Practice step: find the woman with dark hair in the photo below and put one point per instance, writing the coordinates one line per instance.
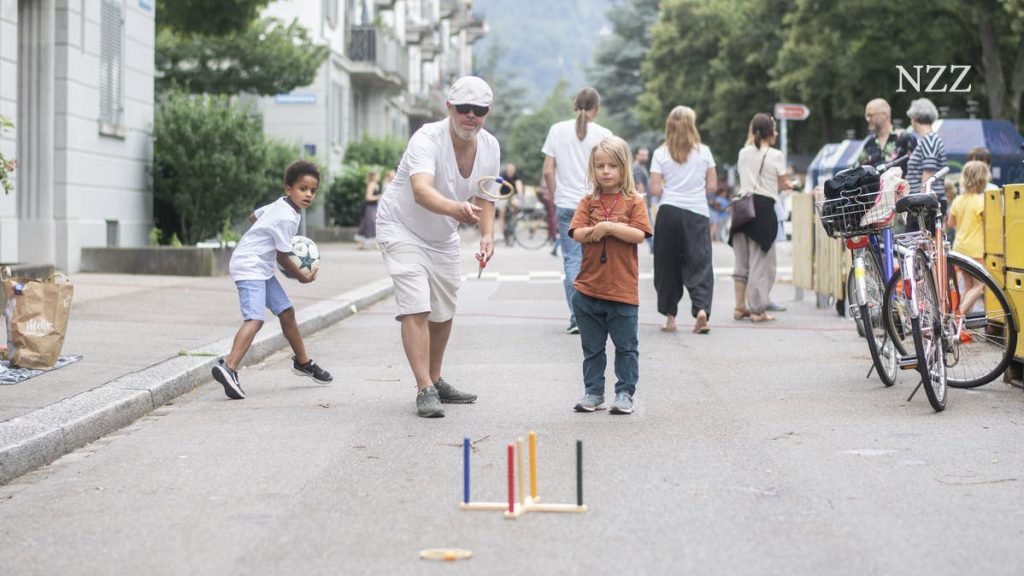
(566, 154)
(762, 172)
(682, 176)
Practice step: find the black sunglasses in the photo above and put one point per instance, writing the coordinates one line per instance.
(478, 111)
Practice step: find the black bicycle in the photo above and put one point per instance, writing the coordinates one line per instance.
(528, 227)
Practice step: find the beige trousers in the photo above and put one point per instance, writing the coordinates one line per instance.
(755, 267)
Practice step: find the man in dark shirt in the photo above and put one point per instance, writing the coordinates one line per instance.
(884, 144)
(504, 209)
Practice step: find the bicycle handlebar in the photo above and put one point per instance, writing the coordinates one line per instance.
(883, 167)
(939, 174)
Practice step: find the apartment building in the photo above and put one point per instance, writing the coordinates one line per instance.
(388, 70)
(76, 77)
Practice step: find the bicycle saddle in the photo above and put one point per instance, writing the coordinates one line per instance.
(917, 203)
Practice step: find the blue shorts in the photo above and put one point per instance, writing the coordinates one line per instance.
(255, 296)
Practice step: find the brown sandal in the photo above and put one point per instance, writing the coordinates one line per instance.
(765, 317)
(738, 314)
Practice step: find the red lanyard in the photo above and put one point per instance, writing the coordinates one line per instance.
(608, 211)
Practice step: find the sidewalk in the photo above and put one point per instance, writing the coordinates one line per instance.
(144, 340)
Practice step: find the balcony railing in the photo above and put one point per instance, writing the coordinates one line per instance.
(368, 44)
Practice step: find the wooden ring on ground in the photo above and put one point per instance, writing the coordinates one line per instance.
(448, 554)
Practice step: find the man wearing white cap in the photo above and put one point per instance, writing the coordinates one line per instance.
(417, 231)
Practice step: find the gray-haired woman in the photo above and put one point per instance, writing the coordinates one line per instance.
(929, 156)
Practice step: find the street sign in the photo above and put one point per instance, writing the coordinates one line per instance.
(791, 111)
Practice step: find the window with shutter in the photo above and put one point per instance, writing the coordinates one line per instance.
(112, 68)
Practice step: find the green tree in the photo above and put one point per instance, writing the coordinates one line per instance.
(617, 63)
(210, 18)
(279, 156)
(347, 194)
(509, 92)
(838, 56)
(714, 57)
(1000, 28)
(209, 164)
(529, 131)
(266, 57)
(386, 151)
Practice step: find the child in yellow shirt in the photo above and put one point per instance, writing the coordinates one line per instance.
(966, 215)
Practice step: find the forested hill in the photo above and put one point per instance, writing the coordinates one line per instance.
(543, 40)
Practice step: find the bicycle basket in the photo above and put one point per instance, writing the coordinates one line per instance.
(856, 203)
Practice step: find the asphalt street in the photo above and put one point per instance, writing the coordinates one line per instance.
(756, 449)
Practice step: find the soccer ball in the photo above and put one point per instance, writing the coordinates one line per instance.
(305, 254)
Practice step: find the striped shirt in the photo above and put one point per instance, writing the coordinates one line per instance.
(929, 156)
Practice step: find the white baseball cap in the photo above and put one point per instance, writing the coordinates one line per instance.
(470, 90)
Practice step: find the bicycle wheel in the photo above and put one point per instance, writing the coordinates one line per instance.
(980, 326)
(896, 314)
(927, 331)
(854, 305)
(531, 229)
(883, 352)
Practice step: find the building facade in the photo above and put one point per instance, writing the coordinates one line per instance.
(389, 66)
(76, 77)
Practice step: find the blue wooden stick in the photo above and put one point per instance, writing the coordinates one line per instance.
(465, 470)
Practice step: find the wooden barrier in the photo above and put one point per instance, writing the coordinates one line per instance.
(820, 263)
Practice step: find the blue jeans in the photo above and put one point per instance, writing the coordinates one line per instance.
(572, 255)
(597, 320)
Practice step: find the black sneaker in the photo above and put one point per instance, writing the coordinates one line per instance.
(572, 329)
(229, 379)
(312, 370)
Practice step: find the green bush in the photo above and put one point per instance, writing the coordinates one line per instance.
(209, 165)
(279, 156)
(347, 194)
(372, 151)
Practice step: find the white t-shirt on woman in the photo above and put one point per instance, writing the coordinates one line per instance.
(749, 165)
(685, 185)
(571, 158)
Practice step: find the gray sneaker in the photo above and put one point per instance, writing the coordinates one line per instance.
(623, 403)
(451, 395)
(428, 405)
(590, 402)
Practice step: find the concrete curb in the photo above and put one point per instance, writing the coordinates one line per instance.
(40, 437)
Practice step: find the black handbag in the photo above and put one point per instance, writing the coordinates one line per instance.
(743, 212)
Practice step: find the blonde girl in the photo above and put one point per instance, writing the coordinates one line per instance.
(608, 223)
(682, 177)
(966, 215)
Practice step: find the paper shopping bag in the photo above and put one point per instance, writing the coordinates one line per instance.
(38, 319)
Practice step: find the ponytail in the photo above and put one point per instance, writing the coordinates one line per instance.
(586, 100)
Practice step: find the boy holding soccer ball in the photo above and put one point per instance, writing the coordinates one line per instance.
(252, 269)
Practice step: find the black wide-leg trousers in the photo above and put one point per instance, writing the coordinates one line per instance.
(682, 258)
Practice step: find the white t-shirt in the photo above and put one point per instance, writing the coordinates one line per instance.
(749, 165)
(685, 184)
(430, 151)
(256, 253)
(571, 158)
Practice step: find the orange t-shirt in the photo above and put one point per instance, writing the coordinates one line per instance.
(618, 278)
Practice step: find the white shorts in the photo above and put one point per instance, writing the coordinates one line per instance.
(425, 280)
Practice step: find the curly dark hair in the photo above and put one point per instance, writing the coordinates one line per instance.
(298, 169)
